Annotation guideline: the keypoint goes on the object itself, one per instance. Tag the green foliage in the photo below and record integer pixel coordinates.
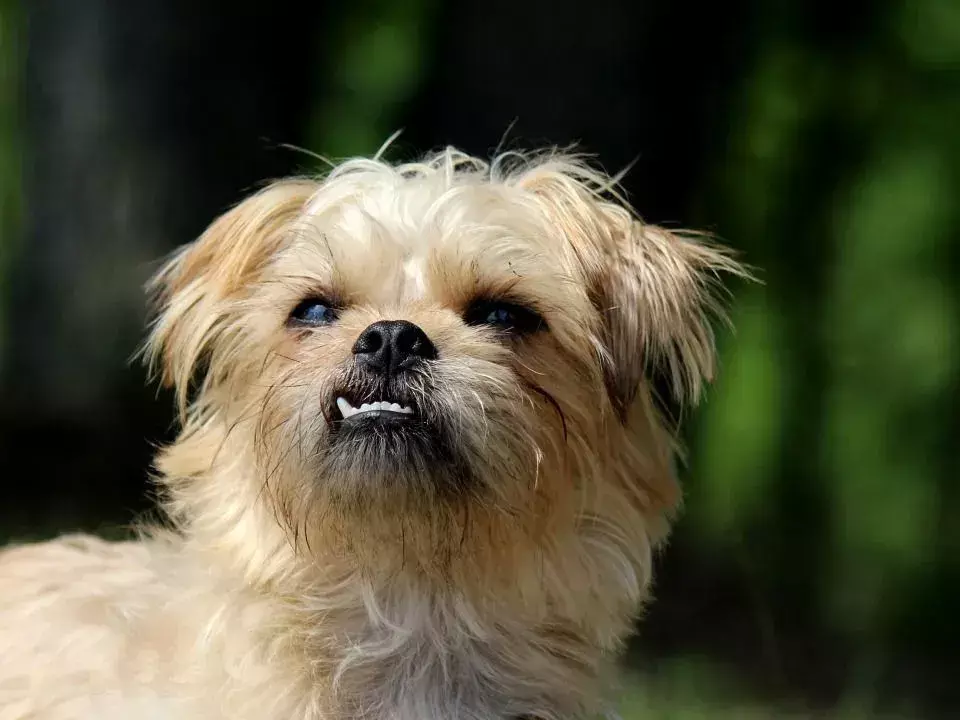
(694, 689)
(830, 432)
(376, 57)
(10, 61)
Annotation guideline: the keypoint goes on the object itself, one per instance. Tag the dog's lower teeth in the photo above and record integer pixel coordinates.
(347, 410)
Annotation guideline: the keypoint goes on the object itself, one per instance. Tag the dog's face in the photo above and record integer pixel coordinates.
(401, 349)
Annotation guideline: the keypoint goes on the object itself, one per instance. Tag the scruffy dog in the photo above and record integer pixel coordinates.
(420, 473)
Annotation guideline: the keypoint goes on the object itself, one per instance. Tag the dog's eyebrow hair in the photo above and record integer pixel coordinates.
(285, 280)
(316, 288)
(504, 292)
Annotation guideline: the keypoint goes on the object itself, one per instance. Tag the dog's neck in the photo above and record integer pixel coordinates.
(419, 650)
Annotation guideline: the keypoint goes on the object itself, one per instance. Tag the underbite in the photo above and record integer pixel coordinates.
(384, 407)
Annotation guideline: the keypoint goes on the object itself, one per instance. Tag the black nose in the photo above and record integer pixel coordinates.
(391, 345)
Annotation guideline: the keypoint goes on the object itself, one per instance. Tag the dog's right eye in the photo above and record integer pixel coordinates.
(314, 311)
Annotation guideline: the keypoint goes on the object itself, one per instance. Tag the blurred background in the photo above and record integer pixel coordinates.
(816, 569)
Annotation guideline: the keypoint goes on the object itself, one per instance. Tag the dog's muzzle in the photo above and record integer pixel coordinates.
(386, 357)
(389, 420)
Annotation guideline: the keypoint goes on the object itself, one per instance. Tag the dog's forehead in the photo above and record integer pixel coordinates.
(413, 281)
(404, 245)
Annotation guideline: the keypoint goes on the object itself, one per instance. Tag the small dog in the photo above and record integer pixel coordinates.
(421, 470)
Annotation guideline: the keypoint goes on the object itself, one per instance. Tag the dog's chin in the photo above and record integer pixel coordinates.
(391, 450)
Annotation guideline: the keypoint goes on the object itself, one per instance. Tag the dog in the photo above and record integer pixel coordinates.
(421, 469)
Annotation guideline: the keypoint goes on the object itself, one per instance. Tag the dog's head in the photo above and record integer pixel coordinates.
(397, 350)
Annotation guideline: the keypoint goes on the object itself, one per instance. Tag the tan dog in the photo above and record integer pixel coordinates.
(420, 473)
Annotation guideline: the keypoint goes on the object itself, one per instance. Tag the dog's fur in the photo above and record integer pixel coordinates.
(486, 565)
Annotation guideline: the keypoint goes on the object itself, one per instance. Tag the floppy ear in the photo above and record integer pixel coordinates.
(193, 292)
(656, 291)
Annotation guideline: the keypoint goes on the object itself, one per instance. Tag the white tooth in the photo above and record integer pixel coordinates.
(345, 408)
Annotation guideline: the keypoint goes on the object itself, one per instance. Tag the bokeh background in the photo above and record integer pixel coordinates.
(816, 569)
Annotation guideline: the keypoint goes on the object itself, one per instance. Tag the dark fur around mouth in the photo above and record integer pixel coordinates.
(358, 387)
(412, 453)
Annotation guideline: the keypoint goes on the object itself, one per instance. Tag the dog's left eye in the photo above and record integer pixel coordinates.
(505, 316)
(314, 311)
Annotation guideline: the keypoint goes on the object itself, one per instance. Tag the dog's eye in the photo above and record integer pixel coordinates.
(505, 316)
(314, 311)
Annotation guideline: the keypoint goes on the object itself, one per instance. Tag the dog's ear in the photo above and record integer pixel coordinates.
(193, 292)
(656, 291)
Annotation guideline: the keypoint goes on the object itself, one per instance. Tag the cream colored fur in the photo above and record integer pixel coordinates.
(293, 583)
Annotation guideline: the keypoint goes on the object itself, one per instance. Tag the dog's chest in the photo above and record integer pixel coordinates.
(446, 666)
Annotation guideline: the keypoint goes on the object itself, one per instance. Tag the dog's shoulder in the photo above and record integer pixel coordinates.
(71, 564)
(70, 610)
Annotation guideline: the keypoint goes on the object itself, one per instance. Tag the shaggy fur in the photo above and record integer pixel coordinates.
(489, 564)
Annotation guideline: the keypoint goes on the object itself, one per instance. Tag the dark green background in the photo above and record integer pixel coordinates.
(816, 567)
